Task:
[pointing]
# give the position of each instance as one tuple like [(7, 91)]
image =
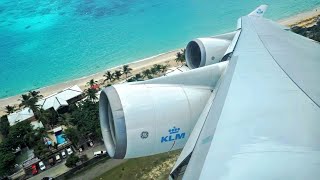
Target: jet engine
[(155, 116), (205, 51)]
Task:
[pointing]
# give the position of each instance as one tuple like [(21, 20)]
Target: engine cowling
[(210, 50), (145, 119), (149, 117), (205, 51)]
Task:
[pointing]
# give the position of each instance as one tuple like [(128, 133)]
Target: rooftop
[(19, 116), (60, 99)]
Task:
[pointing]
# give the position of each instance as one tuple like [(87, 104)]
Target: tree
[(72, 134), (86, 118), (91, 94), (126, 70), (117, 74), (36, 95), (7, 159), (48, 117), (147, 73), (72, 161), (18, 133), (40, 150), (29, 100), (4, 126), (65, 119), (109, 76), (10, 109), (181, 56), (138, 77), (164, 68), (92, 82), (156, 68)]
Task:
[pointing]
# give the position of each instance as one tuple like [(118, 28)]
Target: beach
[(302, 19)]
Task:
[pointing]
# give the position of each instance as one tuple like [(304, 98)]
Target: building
[(61, 99), (25, 114)]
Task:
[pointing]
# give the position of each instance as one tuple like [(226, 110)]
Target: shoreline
[(305, 18)]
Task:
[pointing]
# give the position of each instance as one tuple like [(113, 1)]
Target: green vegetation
[(72, 134), (19, 136), (309, 32), (126, 70), (72, 161), (10, 109), (152, 167), (86, 119), (181, 56), (4, 126)]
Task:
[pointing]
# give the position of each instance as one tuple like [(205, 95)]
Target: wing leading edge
[(264, 121)]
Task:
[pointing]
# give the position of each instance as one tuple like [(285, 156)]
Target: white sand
[(304, 19)]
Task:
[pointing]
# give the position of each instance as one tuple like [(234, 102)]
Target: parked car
[(69, 151), (81, 148), (58, 159), (42, 166), (90, 143), (34, 169), (98, 153), (47, 178), (63, 154), (51, 161)]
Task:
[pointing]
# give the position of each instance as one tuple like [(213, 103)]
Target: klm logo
[(173, 135), (259, 11)]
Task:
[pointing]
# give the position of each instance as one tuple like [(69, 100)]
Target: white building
[(60, 99), (19, 116)]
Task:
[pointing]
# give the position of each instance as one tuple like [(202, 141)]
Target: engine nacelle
[(145, 119), (205, 51)]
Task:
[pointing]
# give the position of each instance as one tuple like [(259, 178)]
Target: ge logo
[(144, 134)]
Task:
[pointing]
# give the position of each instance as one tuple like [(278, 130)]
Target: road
[(61, 168)]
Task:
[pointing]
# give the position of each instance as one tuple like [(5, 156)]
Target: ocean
[(44, 42)]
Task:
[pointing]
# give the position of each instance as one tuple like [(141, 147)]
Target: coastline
[(302, 19), (306, 18)]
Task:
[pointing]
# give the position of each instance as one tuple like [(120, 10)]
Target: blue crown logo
[(174, 130)]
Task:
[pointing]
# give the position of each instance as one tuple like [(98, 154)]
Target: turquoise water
[(60, 139), (43, 42)]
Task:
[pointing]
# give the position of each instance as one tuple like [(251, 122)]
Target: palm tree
[(164, 68), (109, 76), (10, 109), (181, 56), (126, 70), (65, 119), (138, 77), (117, 74), (29, 100), (35, 94), (156, 69), (91, 94), (92, 82), (147, 73)]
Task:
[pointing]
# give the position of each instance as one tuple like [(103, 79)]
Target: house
[(25, 114), (61, 99)]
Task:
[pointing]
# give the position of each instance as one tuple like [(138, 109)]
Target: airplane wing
[(264, 121), (248, 109)]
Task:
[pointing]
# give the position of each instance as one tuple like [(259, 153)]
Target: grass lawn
[(152, 167)]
